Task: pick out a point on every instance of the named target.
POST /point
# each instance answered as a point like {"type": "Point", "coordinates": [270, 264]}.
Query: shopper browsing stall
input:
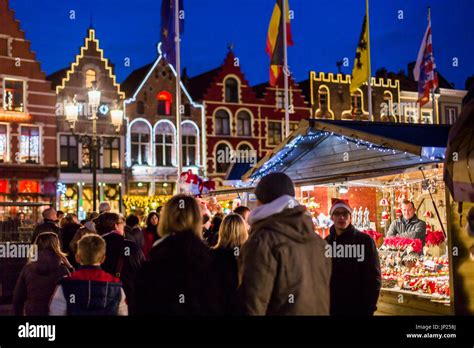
{"type": "Point", "coordinates": [356, 277]}
{"type": "Point", "coordinates": [408, 225]}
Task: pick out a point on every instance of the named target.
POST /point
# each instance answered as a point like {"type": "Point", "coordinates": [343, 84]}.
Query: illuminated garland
{"type": "Point", "coordinates": [147, 203]}
{"type": "Point", "coordinates": [274, 163]}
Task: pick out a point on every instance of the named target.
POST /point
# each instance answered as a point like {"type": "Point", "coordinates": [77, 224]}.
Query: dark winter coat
{"type": "Point", "coordinates": [125, 252]}
{"type": "Point", "coordinates": [283, 269]}
{"type": "Point", "coordinates": [66, 234]}
{"type": "Point", "coordinates": [36, 284]}
{"type": "Point", "coordinates": [225, 270]}
{"type": "Point", "coordinates": [46, 226]}
{"type": "Point", "coordinates": [135, 234]}
{"type": "Point", "coordinates": [177, 279]}
{"type": "Point", "coordinates": [355, 281]}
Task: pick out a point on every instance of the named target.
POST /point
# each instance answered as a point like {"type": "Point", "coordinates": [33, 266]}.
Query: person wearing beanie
{"type": "Point", "coordinates": [356, 277]}
{"type": "Point", "coordinates": [282, 270]}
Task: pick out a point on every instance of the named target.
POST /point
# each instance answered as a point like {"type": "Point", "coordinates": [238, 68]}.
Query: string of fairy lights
{"type": "Point", "coordinates": [276, 162]}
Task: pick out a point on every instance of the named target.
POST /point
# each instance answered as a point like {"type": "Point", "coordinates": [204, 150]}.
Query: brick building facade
{"type": "Point", "coordinates": [151, 131]}
{"type": "Point", "coordinates": [90, 69]}
{"type": "Point", "coordinates": [241, 117]}
{"type": "Point", "coordinates": [28, 164]}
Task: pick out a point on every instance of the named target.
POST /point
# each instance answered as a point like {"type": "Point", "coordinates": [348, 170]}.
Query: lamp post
{"type": "Point", "coordinates": [94, 102]}
{"type": "Point", "coordinates": [95, 141]}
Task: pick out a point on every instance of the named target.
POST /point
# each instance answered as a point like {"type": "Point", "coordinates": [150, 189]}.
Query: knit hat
{"type": "Point", "coordinates": [273, 186]}
{"type": "Point", "coordinates": [339, 203]}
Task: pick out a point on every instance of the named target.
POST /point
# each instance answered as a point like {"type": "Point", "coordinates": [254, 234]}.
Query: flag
{"type": "Point", "coordinates": [361, 69]}
{"type": "Point", "coordinates": [274, 47]}
{"type": "Point", "coordinates": [168, 47]}
{"type": "Point", "coordinates": [424, 71]}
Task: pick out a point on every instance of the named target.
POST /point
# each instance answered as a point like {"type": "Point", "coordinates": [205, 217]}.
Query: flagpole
{"type": "Point", "coordinates": [178, 89]}
{"type": "Point", "coordinates": [369, 82]}
{"type": "Point", "coordinates": [285, 71]}
{"type": "Point", "coordinates": [433, 97]}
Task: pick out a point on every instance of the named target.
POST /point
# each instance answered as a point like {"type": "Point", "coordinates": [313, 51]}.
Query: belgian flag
{"type": "Point", "coordinates": [274, 47]}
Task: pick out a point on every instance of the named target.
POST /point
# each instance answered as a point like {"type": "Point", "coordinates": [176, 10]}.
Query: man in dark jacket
{"type": "Point", "coordinates": [356, 277]}
{"type": "Point", "coordinates": [123, 257]}
{"type": "Point", "coordinates": [283, 268]}
{"type": "Point", "coordinates": [408, 225]}
{"type": "Point", "coordinates": [49, 224]}
{"type": "Point", "coordinates": [133, 231]}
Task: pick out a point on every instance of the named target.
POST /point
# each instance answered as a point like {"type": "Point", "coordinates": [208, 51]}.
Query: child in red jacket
{"type": "Point", "coordinates": [89, 290]}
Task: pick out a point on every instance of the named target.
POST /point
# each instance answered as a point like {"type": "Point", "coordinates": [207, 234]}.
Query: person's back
{"type": "Point", "coordinates": [177, 278]}
{"type": "Point", "coordinates": [95, 292]}
{"type": "Point", "coordinates": [66, 234]}
{"type": "Point", "coordinates": [37, 282]}
{"type": "Point", "coordinates": [225, 269]}
{"type": "Point", "coordinates": [123, 257]}
{"type": "Point", "coordinates": [284, 270]}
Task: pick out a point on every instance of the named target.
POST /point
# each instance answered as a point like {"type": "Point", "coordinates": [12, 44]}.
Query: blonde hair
{"type": "Point", "coordinates": [181, 214]}
{"type": "Point", "coordinates": [232, 232]}
{"type": "Point", "coordinates": [90, 249]}
{"type": "Point", "coordinates": [50, 240]}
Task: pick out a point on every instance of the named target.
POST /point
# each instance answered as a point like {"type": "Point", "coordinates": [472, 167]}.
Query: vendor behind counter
{"type": "Point", "coordinates": [408, 225]}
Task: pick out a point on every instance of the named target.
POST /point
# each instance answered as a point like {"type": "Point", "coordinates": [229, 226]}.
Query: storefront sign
{"type": "Point", "coordinates": [28, 186]}
{"type": "Point", "coordinates": [3, 186]}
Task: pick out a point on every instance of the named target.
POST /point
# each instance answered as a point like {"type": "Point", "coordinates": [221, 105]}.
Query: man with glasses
{"type": "Point", "coordinates": [356, 277]}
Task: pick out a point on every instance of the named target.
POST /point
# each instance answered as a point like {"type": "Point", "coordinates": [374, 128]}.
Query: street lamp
{"type": "Point", "coordinates": [72, 110]}
{"type": "Point", "coordinates": [94, 102]}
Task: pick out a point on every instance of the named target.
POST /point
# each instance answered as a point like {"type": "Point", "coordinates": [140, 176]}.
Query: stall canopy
{"type": "Point", "coordinates": [322, 151]}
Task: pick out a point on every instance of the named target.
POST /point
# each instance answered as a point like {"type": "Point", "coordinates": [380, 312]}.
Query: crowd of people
{"type": "Point", "coordinates": [189, 261]}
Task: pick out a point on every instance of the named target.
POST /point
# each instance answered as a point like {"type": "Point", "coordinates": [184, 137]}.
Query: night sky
{"type": "Point", "coordinates": [324, 31]}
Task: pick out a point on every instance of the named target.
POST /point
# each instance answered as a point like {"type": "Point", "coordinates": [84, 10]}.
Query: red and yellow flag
{"type": "Point", "coordinates": [275, 45]}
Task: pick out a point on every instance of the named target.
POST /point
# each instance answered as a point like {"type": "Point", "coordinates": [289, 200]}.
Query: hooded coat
{"type": "Point", "coordinates": [283, 268]}
{"type": "Point", "coordinates": [36, 284]}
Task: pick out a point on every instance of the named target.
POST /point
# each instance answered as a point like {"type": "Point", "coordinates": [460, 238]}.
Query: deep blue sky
{"type": "Point", "coordinates": [324, 31]}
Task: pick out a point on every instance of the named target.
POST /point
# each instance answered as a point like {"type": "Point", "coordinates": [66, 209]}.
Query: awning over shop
{"type": "Point", "coordinates": [321, 151]}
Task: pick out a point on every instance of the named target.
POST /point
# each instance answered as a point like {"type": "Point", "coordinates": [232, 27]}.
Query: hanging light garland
{"type": "Point", "coordinates": [274, 163]}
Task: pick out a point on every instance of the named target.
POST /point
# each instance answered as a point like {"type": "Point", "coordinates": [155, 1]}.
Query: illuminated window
{"type": "Point", "coordinates": [356, 100]}
{"type": "Point", "coordinates": [427, 116]}
{"type": "Point", "coordinates": [274, 133]}
{"type": "Point", "coordinates": [243, 124]}
{"type": "Point", "coordinates": [140, 141]}
{"type": "Point", "coordinates": [164, 100]}
{"type": "Point", "coordinates": [3, 143]}
{"type": "Point", "coordinates": [280, 99]}
{"type": "Point", "coordinates": [411, 115]}
{"type": "Point", "coordinates": [222, 125]}
{"type": "Point", "coordinates": [222, 160]}
{"type": "Point", "coordinates": [452, 114]}
{"type": "Point", "coordinates": [189, 139]}
{"type": "Point", "coordinates": [231, 90]}
{"type": "Point", "coordinates": [111, 153]}
{"type": "Point", "coordinates": [293, 126]}
{"type": "Point", "coordinates": [323, 94]}
{"type": "Point", "coordinates": [29, 144]}
{"type": "Point", "coordinates": [68, 151]}
{"type": "Point", "coordinates": [164, 144]}
{"type": "Point", "coordinates": [91, 77]}
{"type": "Point", "coordinates": [14, 96]}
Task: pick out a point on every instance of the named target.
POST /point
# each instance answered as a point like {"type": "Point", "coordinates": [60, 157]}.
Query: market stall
{"type": "Point", "coordinates": [376, 166]}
